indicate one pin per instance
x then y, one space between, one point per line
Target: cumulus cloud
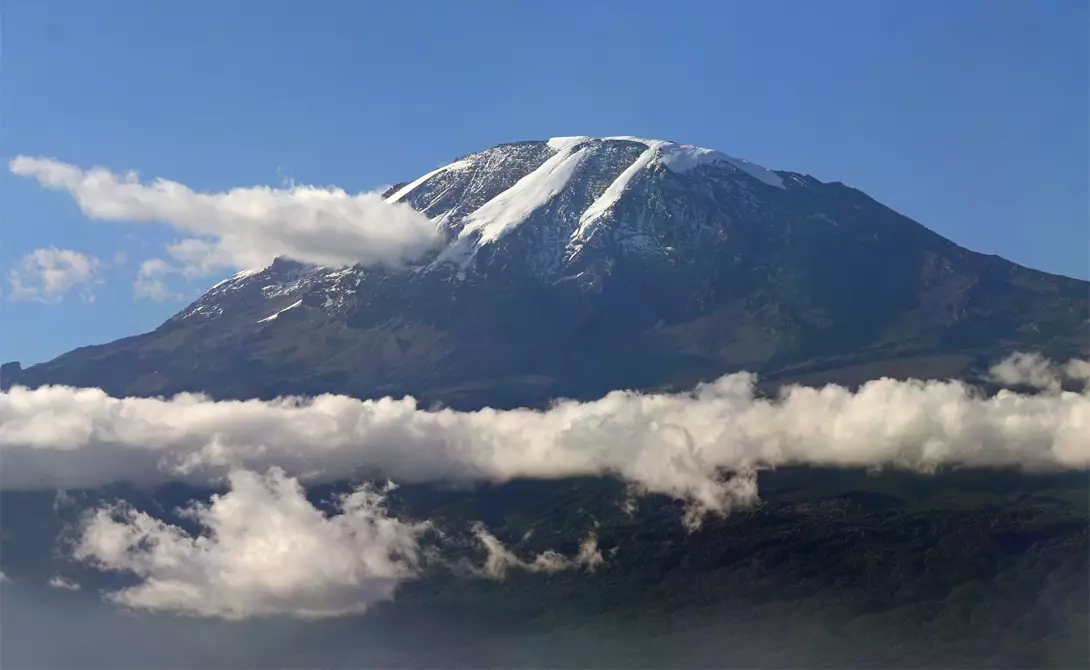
265 550
703 447
1034 370
1078 370
247 227
501 560
46 275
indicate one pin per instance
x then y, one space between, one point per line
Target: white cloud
149 283
1029 369
64 583
1078 370
265 550
679 445
46 275
501 560
247 227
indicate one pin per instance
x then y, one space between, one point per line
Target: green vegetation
832 569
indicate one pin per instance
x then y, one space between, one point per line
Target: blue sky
969 116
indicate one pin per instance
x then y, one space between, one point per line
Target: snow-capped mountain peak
579 265
566 207
574 181
513 206
684 157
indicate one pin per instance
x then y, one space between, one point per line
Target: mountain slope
579 265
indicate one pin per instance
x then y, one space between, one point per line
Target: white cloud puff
247 227
1034 370
46 275
702 447
265 550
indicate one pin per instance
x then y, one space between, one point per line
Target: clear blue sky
969 116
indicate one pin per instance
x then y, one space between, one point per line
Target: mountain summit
578 265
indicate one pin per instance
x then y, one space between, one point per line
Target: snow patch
509 209
566 143
685 157
641 140
236 276
283 288
291 306
411 186
605 202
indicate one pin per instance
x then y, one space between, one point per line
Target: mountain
578 265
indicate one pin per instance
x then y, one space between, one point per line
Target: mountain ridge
577 265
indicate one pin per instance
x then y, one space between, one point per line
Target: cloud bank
264 549
702 447
247 227
46 275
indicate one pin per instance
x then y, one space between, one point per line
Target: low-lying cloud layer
678 444
246 227
264 549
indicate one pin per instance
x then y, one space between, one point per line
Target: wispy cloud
501 560
63 583
149 282
47 275
247 227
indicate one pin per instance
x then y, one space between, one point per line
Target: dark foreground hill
835 569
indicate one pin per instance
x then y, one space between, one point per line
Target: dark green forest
833 568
